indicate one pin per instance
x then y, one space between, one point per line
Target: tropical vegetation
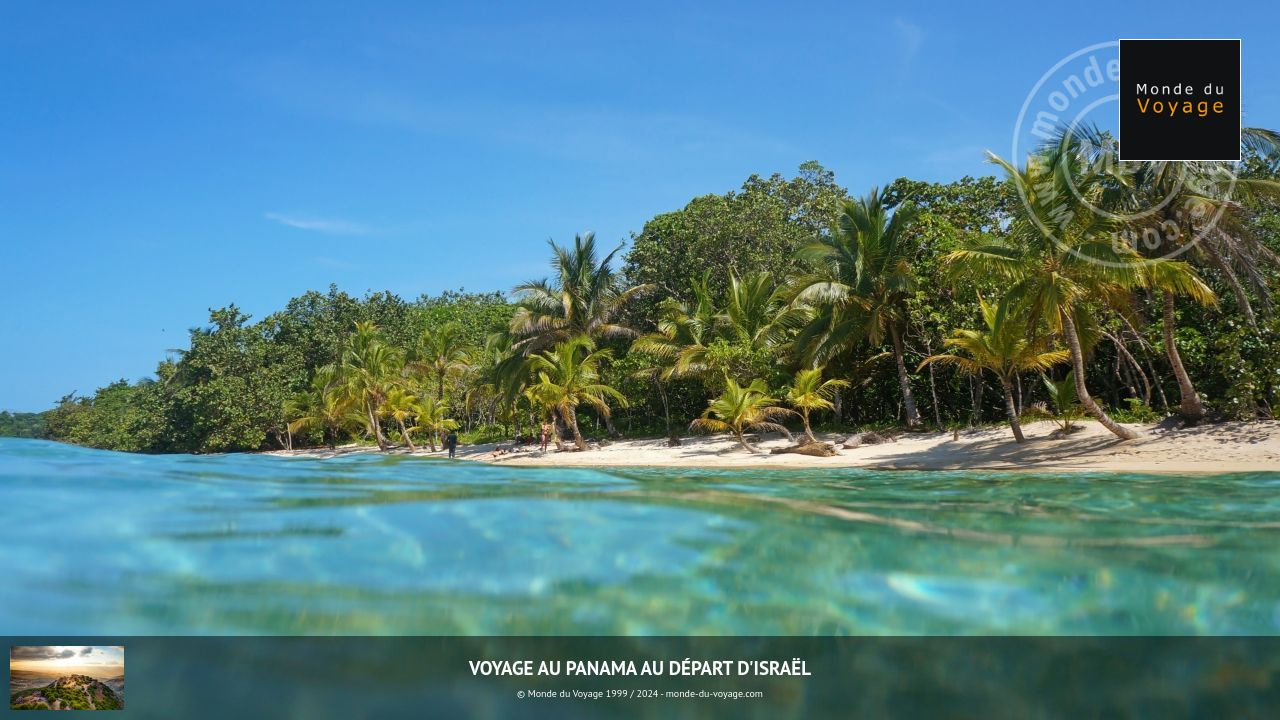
740 409
771 308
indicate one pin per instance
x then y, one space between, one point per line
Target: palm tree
862 280
684 331
433 419
740 409
810 392
324 406
756 314
1062 393
1169 206
1058 257
441 353
1171 278
506 374
568 376
1207 204
302 411
757 311
402 406
1006 347
585 298
370 368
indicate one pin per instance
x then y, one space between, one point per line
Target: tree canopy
785 291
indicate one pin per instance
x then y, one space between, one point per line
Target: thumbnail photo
66 677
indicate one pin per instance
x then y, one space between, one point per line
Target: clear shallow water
106 543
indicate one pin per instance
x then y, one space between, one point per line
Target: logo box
1180 100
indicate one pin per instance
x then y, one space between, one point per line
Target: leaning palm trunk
609 427
557 429
377 428
1082 392
908 400
742 440
1012 410
808 433
405 434
1192 409
1237 289
571 417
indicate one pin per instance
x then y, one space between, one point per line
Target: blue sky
159 159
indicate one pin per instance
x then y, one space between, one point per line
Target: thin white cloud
324 225
910 35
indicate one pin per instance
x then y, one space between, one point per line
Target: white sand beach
1225 447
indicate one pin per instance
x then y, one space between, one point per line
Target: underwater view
97 542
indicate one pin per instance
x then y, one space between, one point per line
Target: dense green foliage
229 390
74 692
756 229
23 425
738 309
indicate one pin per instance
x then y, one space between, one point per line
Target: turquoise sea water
106 543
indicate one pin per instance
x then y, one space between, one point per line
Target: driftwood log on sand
816 449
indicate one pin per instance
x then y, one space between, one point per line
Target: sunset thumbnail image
66 677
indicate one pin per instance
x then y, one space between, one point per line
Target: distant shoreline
1210 448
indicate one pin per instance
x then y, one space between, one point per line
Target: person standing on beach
451 442
546 435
